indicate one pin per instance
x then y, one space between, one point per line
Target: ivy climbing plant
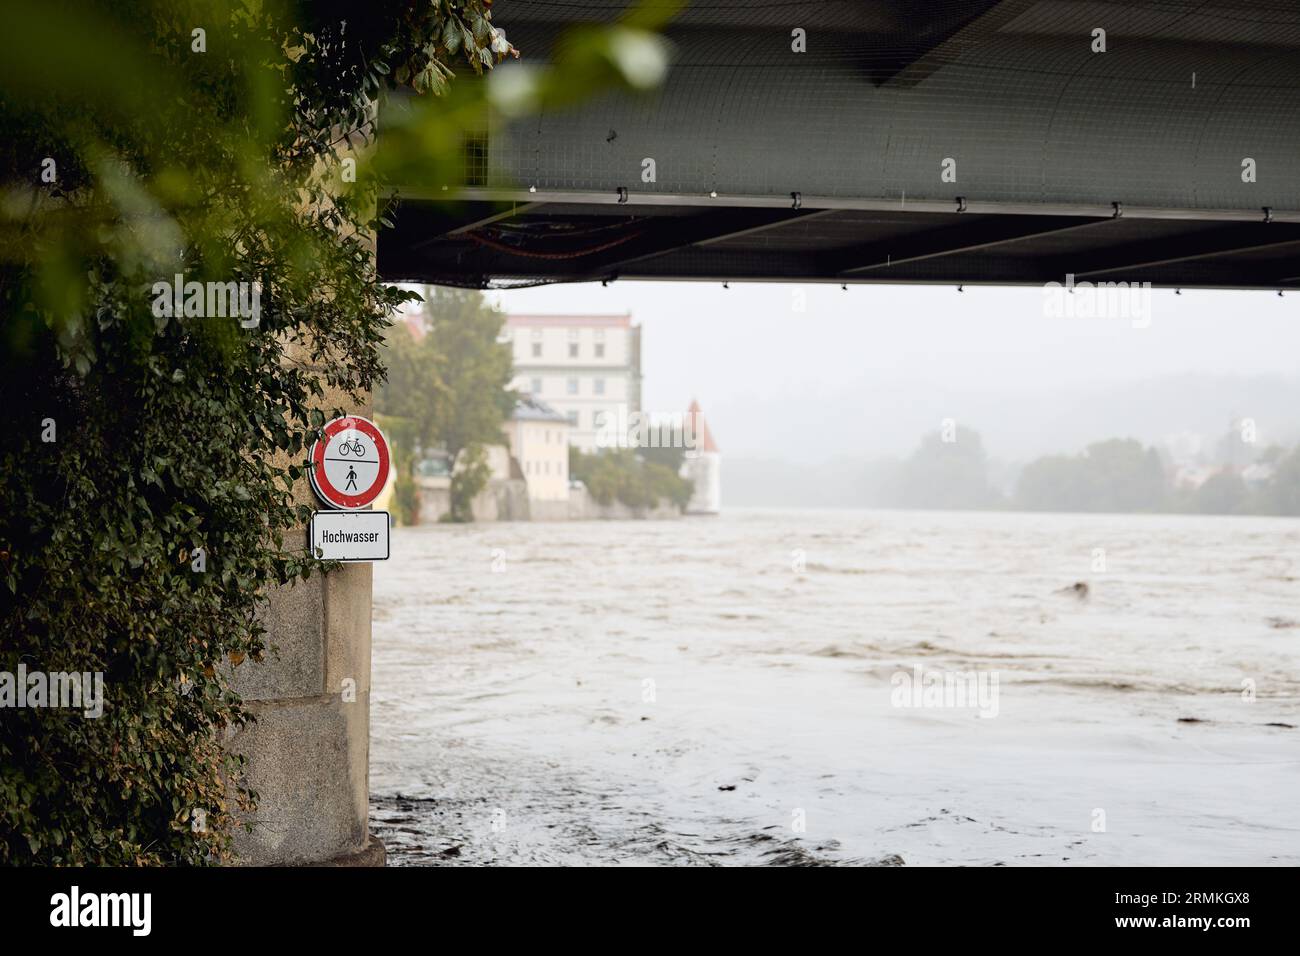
147 504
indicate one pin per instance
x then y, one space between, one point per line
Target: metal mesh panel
1025 108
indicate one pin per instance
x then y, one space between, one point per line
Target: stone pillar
309 750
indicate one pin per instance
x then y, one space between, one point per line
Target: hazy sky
864 371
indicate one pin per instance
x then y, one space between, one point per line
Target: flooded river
836 687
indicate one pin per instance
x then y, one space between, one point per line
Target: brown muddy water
735 691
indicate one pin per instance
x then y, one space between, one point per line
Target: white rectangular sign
349 535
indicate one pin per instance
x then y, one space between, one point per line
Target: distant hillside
878 422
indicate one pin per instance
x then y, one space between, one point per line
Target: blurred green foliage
215 140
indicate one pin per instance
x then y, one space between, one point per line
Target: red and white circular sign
349 467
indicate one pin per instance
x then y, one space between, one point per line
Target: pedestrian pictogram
349 465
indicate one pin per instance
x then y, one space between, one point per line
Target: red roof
702 425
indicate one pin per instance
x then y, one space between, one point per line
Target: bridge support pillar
309 749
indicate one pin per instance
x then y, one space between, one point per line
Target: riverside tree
447 387
474 367
406 404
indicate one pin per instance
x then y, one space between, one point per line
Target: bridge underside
481 242
967 141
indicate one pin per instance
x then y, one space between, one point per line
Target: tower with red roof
703 465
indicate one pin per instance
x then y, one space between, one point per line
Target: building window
537 386
573 386
537 350
573 419
573 350
599 385
600 350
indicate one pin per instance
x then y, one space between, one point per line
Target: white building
539 441
584 366
704 468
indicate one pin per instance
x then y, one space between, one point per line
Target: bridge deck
828 165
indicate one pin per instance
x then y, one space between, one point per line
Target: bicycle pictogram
353 447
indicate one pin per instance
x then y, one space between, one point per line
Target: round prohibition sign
349 465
